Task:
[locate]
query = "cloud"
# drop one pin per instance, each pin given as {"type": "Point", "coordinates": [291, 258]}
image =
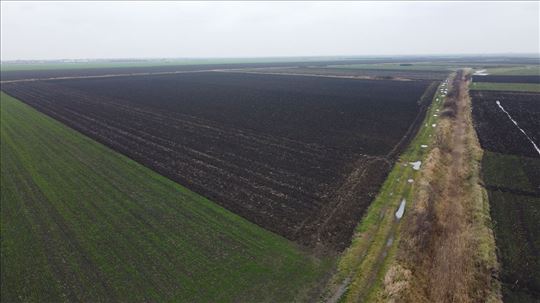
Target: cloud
{"type": "Point", "coordinates": [51, 30]}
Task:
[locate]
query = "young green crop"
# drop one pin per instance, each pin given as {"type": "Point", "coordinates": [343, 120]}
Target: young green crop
{"type": "Point", "coordinates": [518, 87]}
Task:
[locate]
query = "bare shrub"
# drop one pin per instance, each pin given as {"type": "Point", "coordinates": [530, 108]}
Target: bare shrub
{"type": "Point", "coordinates": [450, 103]}
{"type": "Point", "coordinates": [448, 113]}
{"type": "Point", "coordinates": [396, 282]}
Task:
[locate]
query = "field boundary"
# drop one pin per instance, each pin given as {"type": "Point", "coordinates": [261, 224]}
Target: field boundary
{"type": "Point", "coordinates": [362, 266]}
{"type": "Point", "coordinates": [447, 252]}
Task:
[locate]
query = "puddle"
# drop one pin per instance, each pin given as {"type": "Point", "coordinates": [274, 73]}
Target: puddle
{"type": "Point", "coordinates": [435, 115]}
{"type": "Point", "coordinates": [433, 125]}
{"type": "Point", "coordinates": [410, 180]}
{"type": "Point", "coordinates": [389, 242]}
{"type": "Point", "coordinates": [423, 146]}
{"type": "Point", "coordinates": [416, 165]}
{"type": "Point", "coordinates": [401, 209]}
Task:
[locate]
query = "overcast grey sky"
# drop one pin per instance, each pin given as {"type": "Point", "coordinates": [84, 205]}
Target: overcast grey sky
{"type": "Point", "coordinates": [52, 30]}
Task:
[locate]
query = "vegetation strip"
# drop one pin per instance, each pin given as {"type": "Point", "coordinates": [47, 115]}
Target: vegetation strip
{"type": "Point", "coordinates": [80, 222]}
{"type": "Point", "coordinates": [447, 250]}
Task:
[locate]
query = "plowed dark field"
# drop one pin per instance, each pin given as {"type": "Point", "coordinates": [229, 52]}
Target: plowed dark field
{"type": "Point", "coordinates": [507, 79]}
{"type": "Point", "coordinates": [496, 132]}
{"type": "Point", "coordinates": [301, 156]}
{"type": "Point", "coordinates": [10, 75]}
{"type": "Point", "coordinates": [510, 168]}
{"type": "Point", "coordinates": [357, 72]}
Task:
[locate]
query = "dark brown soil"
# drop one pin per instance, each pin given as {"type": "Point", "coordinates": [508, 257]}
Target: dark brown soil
{"type": "Point", "coordinates": [496, 131]}
{"type": "Point", "coordinates": [301, 156]}
{"type": "Point", "coordinates": [507, 79]}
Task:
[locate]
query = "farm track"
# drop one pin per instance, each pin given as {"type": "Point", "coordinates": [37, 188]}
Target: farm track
{"type": "Point", "coordinates": [110, 76]}
{"type": "Point", "coordinates": [363, 265]}
{"type": "Point", "coordinates": [447, 275]}
{"type": "Point", "coordinates": [360, 74]}
{"type": "Point", "coordinates": [8, 75]}
{"type": "Point", "coordinates": [447, 250]}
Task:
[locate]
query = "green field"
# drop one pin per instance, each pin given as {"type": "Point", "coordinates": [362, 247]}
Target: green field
{"type": "Point", "coordinates": [509, 171]}
{"type": "Point", "coordinates": [522, 70]}
{"type": "Point", "coordinates": [420, 66]}
{"type": "Point", "coordinates": [80, 222]}
{"type": "Point", "coordinates": [512, 183]}
{"type": "Point", "coordinates": [515, 223]}
{"type": "Point", "coordinates": [517, 87]}
{"type": "Point", "coordinates": [5, 67]}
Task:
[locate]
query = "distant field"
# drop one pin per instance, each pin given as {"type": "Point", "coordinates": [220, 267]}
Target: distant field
{"type": "Point", "coordinates": [382, 74]}
{"type": "Point", "coordinates": [12, 71]}
{"type": "Point", "coordinates": [515, 70]}
{"type": "Point", "coordinates": [152, 62]}
{"type": "Point", "coordinates": [421, 66]}
{"type": "Point", "coordinates": [516, 87]}
{"type": "Point", "coordinates": [61, 70]}
{"type": "Point", "coordinates": [282, 151]}
{"type": "Point", "coordinates": [112, 64]}
{"type": "Point", "coordinates": [80, 222]}
{"type": "Point", "coordinates": [507, 79]}
{"type": "Point", "coordinates": [429, 65]}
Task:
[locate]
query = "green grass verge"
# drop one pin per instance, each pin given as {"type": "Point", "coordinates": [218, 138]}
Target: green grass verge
{"type": "Point", "coordinates": [80, 222]}
{"type": "Point", "coordinates": [518, 87]}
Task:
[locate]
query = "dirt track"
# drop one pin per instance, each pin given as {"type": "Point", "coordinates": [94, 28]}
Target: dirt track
{"type": "Point", "coordinates": [448, 256]}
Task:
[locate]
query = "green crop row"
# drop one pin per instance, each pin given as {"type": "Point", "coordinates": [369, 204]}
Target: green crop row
{"type": "Point", "coordinates": [518, 87]}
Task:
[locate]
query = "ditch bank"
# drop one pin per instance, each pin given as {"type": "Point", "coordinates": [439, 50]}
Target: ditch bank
{"type": "Point", "coordinates": [441, 249]}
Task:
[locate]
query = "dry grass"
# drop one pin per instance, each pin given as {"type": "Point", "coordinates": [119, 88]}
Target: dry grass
{"type": "Point", "coordinates": [447, 250]}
